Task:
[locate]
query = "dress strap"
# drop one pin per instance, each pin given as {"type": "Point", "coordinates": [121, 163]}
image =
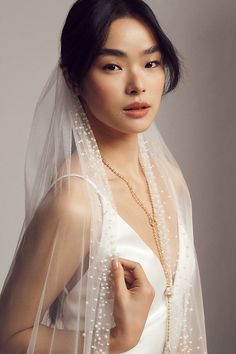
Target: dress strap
{"type": "Point", "coordinates": [79, 176]}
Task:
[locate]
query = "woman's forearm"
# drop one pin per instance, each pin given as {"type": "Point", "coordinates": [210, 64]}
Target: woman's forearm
{"type": "Point", "coordinates": [59, 341]}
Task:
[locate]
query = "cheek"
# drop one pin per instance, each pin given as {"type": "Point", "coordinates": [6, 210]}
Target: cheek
{"type": "Point", "coordinates": [101, 85]}
{"type": "Point", "coordinates": [98, 94]}
{"type": "Point", "coordinates": [159, 82]}
{"type": "Point", "coordinates": [99, 91]}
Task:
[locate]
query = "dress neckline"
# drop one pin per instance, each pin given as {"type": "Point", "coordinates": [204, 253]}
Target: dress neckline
{"type": "Point", "coordinates": [145, 244]}
{"type": "Point", "coordinates": [140, 239]}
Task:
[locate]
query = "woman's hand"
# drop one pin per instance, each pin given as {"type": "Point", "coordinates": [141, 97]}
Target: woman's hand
{"type": "Point", "coordinates": [133, 296]}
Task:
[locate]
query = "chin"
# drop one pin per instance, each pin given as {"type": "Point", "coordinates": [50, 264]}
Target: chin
{"type": "Point", "coordinates": [144, 125]}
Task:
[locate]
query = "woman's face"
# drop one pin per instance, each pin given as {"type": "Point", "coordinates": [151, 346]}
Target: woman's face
{"type": "Point", "coordinates": [128, 71]}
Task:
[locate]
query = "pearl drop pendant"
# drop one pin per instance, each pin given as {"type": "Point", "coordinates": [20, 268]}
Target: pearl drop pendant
{"type": "Point", "coordinates": [169, 291]}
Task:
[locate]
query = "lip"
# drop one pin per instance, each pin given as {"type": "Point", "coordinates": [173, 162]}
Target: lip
{"type": "Point", "coordinates": [137, 109]}
{"type": "Point", "coordinates": [137, 105]}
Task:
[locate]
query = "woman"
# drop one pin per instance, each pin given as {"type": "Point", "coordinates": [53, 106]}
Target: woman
{"type": "Point", "coordinates": [106, 260]}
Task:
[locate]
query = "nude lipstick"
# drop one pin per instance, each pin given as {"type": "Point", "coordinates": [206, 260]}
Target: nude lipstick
{"type": "Point", "coordinates": [137, 109]}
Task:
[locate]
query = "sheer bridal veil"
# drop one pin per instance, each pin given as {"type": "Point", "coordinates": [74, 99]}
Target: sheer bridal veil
{"type": "Point", "coordinates": [67, 234]}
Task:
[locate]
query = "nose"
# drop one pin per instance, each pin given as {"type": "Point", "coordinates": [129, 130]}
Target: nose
{"type": "Point", "coordinates": [135, 86]}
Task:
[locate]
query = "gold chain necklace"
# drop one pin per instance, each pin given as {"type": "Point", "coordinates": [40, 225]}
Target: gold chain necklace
{"type": "Point", "coordinates": [156, 234]}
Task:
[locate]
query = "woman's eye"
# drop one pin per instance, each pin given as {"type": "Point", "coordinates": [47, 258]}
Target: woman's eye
{"type": "Point", "coordinates": [152, 64]}
{"type": "Point", "coordinates": [111, 67]}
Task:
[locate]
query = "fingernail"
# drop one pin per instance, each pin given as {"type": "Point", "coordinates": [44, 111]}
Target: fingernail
{"type": "Point", "coordinates": [115, 264]}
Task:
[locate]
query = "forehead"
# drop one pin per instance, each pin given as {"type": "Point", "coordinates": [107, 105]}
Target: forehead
{"type": "Point", "coordinates": [130, 34]}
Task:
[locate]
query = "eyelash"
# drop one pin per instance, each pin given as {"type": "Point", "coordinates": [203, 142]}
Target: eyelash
{"type": "Point", "coordinates": [154, 61]}
{"type": "Point", "coordinates": [107, 66]}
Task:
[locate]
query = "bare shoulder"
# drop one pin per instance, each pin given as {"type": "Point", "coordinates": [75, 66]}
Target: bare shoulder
{"type": "Point", "coordinates": [60, 226]}
{"type": "Point", "coordinates": [68, 200]}
{"type": "Point", "coordinates": [67, 205]}
{"type": "Point", "coordinates": [69, 196]}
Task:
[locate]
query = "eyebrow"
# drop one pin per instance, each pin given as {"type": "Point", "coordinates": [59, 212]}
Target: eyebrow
{"type": "Point", "coordinates": [120, 53]}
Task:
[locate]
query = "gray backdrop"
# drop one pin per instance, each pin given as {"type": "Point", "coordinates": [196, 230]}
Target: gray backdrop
{"type": "Point", "coordinates": [197, 121]}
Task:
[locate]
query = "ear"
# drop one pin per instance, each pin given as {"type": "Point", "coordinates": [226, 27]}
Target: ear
{"type": "Point", "coordinates": [70, 83]}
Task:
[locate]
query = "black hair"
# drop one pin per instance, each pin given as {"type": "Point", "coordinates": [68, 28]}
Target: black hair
{"type": "Point", "coordinates": [86, 29]}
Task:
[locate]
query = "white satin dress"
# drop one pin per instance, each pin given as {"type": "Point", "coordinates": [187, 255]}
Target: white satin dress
{"type": "Point", "coordinates": [131, 246]}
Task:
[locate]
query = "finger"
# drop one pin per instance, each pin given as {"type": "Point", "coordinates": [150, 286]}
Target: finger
{"type": "Point", "coordinates": [118, 277]}
{"type": "Point", "coordinates": [136, 269]}
{"type": "Point", "coordinates": [128, 281]}
{"type": "Point", "coordinates": [128, 276]}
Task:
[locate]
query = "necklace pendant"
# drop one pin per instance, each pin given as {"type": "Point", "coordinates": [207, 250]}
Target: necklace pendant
{"type": "Point", "coordinates": [167, 348]}
{"type": "Point", "coordinates": [152, 221]}
{"type": "Point", "coordinates": [169, 291]}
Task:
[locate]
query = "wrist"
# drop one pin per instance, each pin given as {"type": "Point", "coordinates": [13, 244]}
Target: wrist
{"type": "Point", "coordinates": [119, 343]}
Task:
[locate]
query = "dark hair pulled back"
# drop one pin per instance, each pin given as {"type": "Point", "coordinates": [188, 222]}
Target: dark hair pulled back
{"type": "Point", "coordinates": [86, 29]}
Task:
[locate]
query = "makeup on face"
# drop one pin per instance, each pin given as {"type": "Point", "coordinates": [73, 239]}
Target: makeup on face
{"type": "Point", "coordinates": [124, 86]}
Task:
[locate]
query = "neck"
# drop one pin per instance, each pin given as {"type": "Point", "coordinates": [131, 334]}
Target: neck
{"type": "Point", "coordinates": [122, 155]}
{"type": "Point", "coordinates": [121, 151]}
